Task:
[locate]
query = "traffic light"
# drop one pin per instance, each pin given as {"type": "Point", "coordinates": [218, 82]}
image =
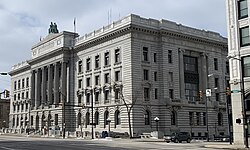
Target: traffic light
{"type": "Point", "coordinates": [200, 94]}
{"type": "Point", "coordinates": [228, 91]}
{"type": "Point", "coordinates": [6, 93]}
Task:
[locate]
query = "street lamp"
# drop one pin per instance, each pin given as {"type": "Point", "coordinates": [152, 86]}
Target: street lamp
{"type": "Point", "coordinates": [108, 121]}
{"type": "Point", "coordinates": [242, 89]}
{"type": "Point", "coordinates": [156, 119]}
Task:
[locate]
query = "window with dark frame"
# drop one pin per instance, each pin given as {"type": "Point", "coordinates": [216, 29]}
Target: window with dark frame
{"type": "Point", "coordinates": [147, 117]}
{"type": "Point", "coordinates": [79, 83]}
{"type": "Point", "coordinates": [244, 36]}
{"type": "Point", "coordinates": [155, 57]}
{"type": "Point", "coordinates": [170, 59]}
{"type": "Point", "coordinates": [97, 61]}
{"type": "Point", "coordinates": [155, 76]}
{"type": "Point", "coordinates": [145, 54]}
{"type": "Point", "coordinates": [145, 74]}
{"type": "Point", "coordinates": [242, 9]}
{"type": "Point", "coordinates": [171, 93]}
{"type": "Point", "coordinates": [97, 80]}
{"type": "Point", "coordinates": [156, 93]}
{"type": "Point", "coordinates": [117, 56]}
{"type": "Point", "coordinates": [88, 65]}
{"type": "Point", "coordinates": [216, 82]}
{"type": "Point", "coordinates": [198, 118]}
{"type": "Point", "coordinates": [173, 118]}
{"type": "Point", "coordinates": [117, 75]}
{"type": "Point", "coordinates": [79, 66]}
{"type": "Point", "coordinates": [106, 58]}
{"type": "Point", "coordinates": [146, 94]}
{"type": "Point", "coordinates": [215, 64]}
{"type": "Point", "coordinates": [88, 82]}
{"type": "Point", "coordinates": [106, 78]}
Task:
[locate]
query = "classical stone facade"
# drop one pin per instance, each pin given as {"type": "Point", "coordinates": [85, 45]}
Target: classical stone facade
{"type": "Point", "coordinates": [239, 54]}
{"type": "Point", "coordinates": [158, 67]}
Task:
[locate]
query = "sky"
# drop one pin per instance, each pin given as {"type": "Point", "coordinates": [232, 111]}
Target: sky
{"type": "Point", "coordinates": [24, 22]}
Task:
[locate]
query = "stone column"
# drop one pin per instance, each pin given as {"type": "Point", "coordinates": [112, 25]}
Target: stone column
{"type": "Point", "coordinates": [32, 88]}
{"type": "Point", "coordinates": [204, 75]}
{"type": "Point", "coordinates": [64, 81]}
{"type": "Point", "coordinates": [56, 83]}
{"type": "Point", "coordinates": [49, 89]}
{"type": "Point", "coordinates": [43, 86]}
{"type": "Point", "coordinates": [67, 83]}
{"type": "Point", "coordinates": [181, 73]}
{"type": "Point", "coordinates": [36, 89]}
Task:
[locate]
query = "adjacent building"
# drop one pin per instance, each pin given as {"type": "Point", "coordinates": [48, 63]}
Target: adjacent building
{"type": "Point", "coordinates": [239, 54]}
{"type": "Point", "coordinates": [4, 113]}
{"type": "Point", "coordinates": [157, 68]}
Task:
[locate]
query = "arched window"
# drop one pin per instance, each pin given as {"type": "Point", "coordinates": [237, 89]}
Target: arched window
{"type": "Point", "coordinates": [117, 117]}
{"type": "Point", "coordinates": [173, 118]}
{"type": "Point", "coordinates": [79, 119]}
{"type": "Point", "coordinates": [87, 118]}
{"type": "Point", "coordinates": [97, 118]}
{"type": "Point", "coordinates": [106, 116]}
{"type": "Point", "coordinates": [147, 117]}
{"type": "Point", "coordinates": [220, 119]}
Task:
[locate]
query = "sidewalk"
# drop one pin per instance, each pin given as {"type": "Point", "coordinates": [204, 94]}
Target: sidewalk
{"type": "Point", "coordinates": [223, 145]}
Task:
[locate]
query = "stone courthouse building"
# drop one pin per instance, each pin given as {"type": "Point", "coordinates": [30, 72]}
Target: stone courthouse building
{"type": "Point", "coordinates": [159, 67]}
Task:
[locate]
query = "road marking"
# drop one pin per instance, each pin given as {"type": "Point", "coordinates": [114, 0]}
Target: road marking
{"type": "Point", "coordinates": [7, 148]}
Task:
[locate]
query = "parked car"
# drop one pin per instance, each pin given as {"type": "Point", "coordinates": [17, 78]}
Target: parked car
{"type": "Point", "coordinates": [178, 137]}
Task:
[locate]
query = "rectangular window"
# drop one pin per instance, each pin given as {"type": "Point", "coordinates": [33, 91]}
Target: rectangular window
{"type": "Point", "coordinates": [198, 118]}
{"type": "Point", "coordinates": [97, 61]}
{"type": "Point", "coordinates": [246, 66]}
{"type": "Point", "coordinates": [79, 66]}
{"type": "Point", "coordinates": [80, 83]}
{"type": "Point", "coordinates": [27, 94]}
{"type": "Point", "coordinates": [146, 94]}
{"type": "Point", "coordinates": [56, 119]}
{"type": "Point", "coordinates": [106, 58]}
{"type": "Point", "coordinates": [155, 76]}
{"type": "Point", "coordinates": [242, 9]}
{"type": "Point", "coordinates": [171, 79]}
{"type": "Point", "coordinates": [204, 118]}
{"type": "Point", "coordinates": [170, 60]}
{"type": "Point", "coordinates": [155, 57]}
{"type": "Point", "coordinates": [117, 94]}
{"type": "Point", "coordinates": [79, 98]}
{"type": "Point", "coordinates": [191, 118]}
{"type": "Point", "coordinates": [171, 93]}
{"type": "Point", "coordinates": [244, 36]}
{"type": "Point", "coordinates": [117, 56]}
{"type": "Point", "coordinates": [14, 85]}
{"type": "Point", "coordinates": [87, 82]}
{"type": "Point", "coordinates": [106, 95]}
{"type": "Point", "coordinates": [215, 64]}
{"type": "Point", "coordinates": [156, 93]}
{"type": "Point", "coordinates": [23, 85]}
{"type": "Point", "coordinates": [216, 82]}
{"type": "Point", "coordinates": [145, 53]}
{"type": "Point", "coordinates": [31, 120]}
{"type": "Point", "coordinates": [227, 67]}
{"type": "Point", "coordinates": [96, 96]}
{"type": "Point", "coordinates": [27, 82]}
{"type": "Point", "coordinates": [190, 64]}
{"type": "Point", "coordinates": [117, 76]}
{"type": "Point", "coordinates": [88, 98]}
{"type": "Point", "coordinates": [217, 97]}
{"type": "Point", "coordinates": [19, 84]}
{"type": "Point", "coordinates": [88, 67]}
{"type": "Point", "coordinates": [97, 80]}
{"type": "Point", "coordinates": [106, 78]}
{"type": "Point", "coordinates": [145, 74]}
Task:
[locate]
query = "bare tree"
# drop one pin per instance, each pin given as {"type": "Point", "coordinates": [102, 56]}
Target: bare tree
{"type": "Point", "coordinates": [129, 103]}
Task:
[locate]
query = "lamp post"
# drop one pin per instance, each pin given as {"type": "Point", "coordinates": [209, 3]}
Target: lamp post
{"type": "Point", "coordinates": [156, 119]}
{"type": "Point", "coordinates": [242, 89]}
{"type": "Point", "coordinates": [109, 120]}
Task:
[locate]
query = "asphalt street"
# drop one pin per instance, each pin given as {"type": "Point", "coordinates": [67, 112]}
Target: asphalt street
{"type": "Point", "coordinates": [30, 143]}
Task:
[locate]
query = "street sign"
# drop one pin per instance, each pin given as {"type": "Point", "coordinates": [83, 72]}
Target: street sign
{"type": "Point", "coordinates": [208, 92]}
{"type": "Point", "coordinates": [235, 91]}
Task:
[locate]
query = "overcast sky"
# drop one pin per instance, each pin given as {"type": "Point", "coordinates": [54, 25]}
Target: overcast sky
{"type": "Point", "coordinates": [23, 22]}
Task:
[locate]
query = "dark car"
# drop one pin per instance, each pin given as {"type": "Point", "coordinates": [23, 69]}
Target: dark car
{"type": "Point", "coordinates": [178, 137]}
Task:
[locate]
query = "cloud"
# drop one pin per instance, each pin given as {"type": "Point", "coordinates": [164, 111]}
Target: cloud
{"type": "Point", "coordinates": [24, 21]}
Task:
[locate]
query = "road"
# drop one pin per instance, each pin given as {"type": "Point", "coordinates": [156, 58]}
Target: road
{"type": "Point", "coordinates": [30, 143]}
